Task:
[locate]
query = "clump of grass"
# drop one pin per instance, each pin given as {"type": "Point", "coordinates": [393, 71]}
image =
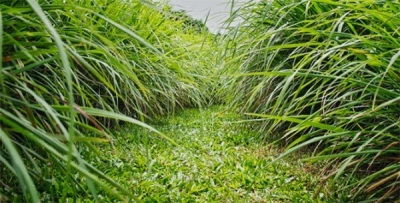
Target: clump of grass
{"type": "Point", "coordinates": [68, 70]}
{"type": "Point", "coordinates": [324, 74]}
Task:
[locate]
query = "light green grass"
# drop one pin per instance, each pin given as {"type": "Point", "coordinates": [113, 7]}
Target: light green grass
{"type": "Point", "coordinates": [218, 160]}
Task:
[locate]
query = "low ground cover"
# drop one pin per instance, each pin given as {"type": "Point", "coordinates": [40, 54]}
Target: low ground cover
{"type": "Point", "coordinates": [216, 159]}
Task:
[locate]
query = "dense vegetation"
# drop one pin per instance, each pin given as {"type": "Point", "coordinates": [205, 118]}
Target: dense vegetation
{"type": "Point", "coordinates": [218, 160]}
{"type": "Point", "coordinates": [324, 75]}
{"type": "Point", "coordinates": [319, 75]}
{"type": "Point", "coordinates": [188, 22]}
{"type": "Point", "coordinates": [69, 69]}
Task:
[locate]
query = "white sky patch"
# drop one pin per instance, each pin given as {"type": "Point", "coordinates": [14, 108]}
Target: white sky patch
{"type": "Point", "coordinates": [218, 10]}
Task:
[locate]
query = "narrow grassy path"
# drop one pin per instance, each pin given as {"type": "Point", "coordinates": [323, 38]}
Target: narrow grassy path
{"type": "Point", "coordinates": [217, 160]}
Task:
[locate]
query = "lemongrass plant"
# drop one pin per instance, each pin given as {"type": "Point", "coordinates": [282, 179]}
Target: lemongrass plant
{"type": "Point", "coordinates": [324, 75]}
{"type": "Point", "coordinates": [71, 68]}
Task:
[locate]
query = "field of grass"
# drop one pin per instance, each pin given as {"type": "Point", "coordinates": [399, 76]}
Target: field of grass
{"type": "Point", "coordinates": [105, 101]}
{"type": "Point", "coordinates": [217, 159]}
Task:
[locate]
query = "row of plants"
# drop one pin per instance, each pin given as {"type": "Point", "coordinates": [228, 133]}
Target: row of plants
{"type": "Point", "coordinates": [70, 70]}
{"type": "Point", "coordinates": [315, 74]}
{"type": "Point", "coordinates": [323, 75]}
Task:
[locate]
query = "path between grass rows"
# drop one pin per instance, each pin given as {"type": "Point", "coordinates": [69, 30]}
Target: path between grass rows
{"type": "Point", "coordinates": [218, 160]}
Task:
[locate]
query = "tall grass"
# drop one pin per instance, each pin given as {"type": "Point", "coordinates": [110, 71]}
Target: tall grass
{"type": "Point", "coordinates": [324, 75]}
{"type": "Point", "coordinates": [68, 70]}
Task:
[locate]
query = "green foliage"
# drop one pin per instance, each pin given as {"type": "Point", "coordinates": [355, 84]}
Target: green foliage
{"type": "Point", "coordinates": [68, 70]}
{"type": "Point", "coordinates": [325, 75]}
{"type": "Point", "coordinates": [188, 22]}
{"type": "Point", "coordinates": [317, 74]}
{"type": "Point", "coordinates": [218, 159]}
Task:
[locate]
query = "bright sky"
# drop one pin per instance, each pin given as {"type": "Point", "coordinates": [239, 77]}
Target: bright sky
{"type": "Point", "coordinates": [219, 10]}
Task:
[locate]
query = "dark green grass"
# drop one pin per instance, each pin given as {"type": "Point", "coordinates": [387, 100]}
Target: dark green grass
{"type": "Point", "coordinates": [218, 159]}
